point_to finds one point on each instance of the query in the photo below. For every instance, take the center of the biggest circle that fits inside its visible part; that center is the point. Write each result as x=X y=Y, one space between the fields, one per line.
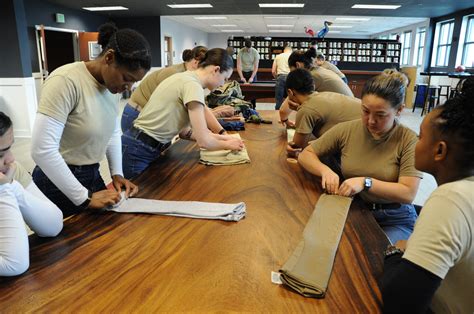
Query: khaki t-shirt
x=248 y=58
x=324 y=110
x=385 y=159
x=72 y=96
x=21 y=175
x=442 y=243
x=281 y=62
x=328 y=81
x=329 y=66
x=166 y=113
x=142 y=93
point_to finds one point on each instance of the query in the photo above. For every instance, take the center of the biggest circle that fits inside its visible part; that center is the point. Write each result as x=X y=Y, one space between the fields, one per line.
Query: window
x=468 y=47
x=406 y=46
x=419 y=46
x=443 y=38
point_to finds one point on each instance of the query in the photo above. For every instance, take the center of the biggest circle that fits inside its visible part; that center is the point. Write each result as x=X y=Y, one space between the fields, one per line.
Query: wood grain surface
x=109 y=262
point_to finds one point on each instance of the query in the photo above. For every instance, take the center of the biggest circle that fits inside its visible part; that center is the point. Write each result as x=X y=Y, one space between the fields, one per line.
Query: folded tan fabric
x=308 y=270
x=224 y=157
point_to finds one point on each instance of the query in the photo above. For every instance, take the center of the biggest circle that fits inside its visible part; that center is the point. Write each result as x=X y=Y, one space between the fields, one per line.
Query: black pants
x=247 y=76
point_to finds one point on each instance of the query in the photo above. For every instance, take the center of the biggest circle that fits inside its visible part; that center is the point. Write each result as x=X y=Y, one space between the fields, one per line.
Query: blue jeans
x=280 y=90
x=397 y=223
x=128 y=116
x=136 y=155
x=87 y=175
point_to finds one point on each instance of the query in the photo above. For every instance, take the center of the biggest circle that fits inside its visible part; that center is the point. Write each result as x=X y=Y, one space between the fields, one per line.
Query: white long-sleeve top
x=45 y=152
x=18 y=206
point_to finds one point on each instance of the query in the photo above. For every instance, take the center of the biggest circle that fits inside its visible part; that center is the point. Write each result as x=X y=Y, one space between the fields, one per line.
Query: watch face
x=367 y=183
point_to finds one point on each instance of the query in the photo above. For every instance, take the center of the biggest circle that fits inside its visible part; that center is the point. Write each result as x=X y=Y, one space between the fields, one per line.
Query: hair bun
x=105 y=33
x=396 y=75
x=467 y=89
x=311 y=53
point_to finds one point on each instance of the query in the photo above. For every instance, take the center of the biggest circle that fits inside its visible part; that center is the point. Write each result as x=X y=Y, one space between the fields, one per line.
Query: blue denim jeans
x=136 y=155
x=397 y=223
x=128 y=116
x=87 y=175
x=280 y=90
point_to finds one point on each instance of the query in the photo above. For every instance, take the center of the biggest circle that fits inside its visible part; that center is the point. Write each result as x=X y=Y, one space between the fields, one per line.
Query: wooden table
x=258 y=90
x=108 y=262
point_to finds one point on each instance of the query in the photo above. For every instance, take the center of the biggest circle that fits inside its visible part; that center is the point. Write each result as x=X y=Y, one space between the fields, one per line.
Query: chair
x=421 y=94
x=441 y=94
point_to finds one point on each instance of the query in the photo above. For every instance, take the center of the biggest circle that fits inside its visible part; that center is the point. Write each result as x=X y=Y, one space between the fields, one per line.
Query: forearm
x=45 y=152
x=114 y=152
x=211 y=121
x=255 y=70
x=285 y=110
x=393 y=191
x=300 y=140
x=239 y=68
x=310 y=162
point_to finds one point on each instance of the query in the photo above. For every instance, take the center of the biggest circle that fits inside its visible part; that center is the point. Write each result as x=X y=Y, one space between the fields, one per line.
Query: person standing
x=248 y=59
x=280 y=70
x=78 y=123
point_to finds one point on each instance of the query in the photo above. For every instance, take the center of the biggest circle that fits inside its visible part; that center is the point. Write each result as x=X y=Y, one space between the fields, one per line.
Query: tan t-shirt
x=141 y=95
x=248 y=58
x=72 y=96
x=324 y=110
x=166 y=113
x=281 y=62
x=21 y=175
x=329 y=66
x=385 y=159
x=442 y=243
x=328 y=81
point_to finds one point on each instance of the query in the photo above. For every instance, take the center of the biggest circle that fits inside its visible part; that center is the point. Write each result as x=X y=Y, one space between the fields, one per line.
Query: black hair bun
x=105 y=33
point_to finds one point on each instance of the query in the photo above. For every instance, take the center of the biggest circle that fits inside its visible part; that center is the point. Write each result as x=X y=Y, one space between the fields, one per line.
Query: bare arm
x=255 y=70
x=211 y=121
x=300 y=140
x=403 y=191
x=311 y=163
x=274 y=69
x=239 y=69
x=285 y=110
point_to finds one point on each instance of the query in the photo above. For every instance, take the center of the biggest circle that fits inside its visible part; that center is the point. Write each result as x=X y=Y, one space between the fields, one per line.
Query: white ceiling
x=253 y=24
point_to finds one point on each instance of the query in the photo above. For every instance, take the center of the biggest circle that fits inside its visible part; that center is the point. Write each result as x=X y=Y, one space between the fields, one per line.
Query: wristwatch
x=86 y=203
x=392 y=250
x=367 y=183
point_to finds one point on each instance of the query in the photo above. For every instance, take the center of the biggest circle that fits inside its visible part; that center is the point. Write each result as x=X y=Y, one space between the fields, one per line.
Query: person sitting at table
x=321 y=61
x=377 y=156
x=435 y=268
x=280 y=70
x=317 y=112
x=324 y=80
x=78 y=123
x=141 y=95
x=175 y=104
x=20 y=202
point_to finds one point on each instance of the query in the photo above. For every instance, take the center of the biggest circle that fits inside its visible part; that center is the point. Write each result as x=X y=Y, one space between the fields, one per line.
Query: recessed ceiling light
x=224 y=25
x=281 y=5
x=109 y=8
x=190 y=6
x=334 y=31
x=210 y=17
x=280 y=25
x=279 y=31
x=376 y=6
x=341 y=26
x=353 y=19
x=232 y=30
x=280 y=17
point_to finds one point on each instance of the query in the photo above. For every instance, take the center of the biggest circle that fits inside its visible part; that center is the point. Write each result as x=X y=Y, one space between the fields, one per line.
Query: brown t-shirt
x=142 y=93
x=328 y=81
x=324 y=110
x=329 y=66
x=385 y=159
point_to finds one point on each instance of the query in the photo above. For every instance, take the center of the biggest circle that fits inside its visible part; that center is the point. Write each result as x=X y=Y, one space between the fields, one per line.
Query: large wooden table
x=108 y=262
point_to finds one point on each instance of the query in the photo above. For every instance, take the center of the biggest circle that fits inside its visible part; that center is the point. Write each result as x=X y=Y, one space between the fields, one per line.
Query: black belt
x=375 y=206
x=147 y=139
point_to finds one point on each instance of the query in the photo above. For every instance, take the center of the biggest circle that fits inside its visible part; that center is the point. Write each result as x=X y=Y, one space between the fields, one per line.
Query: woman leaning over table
x=77 y=124
x=141 y=95
x=435 y=268
x=377 y=157
x=177 y=103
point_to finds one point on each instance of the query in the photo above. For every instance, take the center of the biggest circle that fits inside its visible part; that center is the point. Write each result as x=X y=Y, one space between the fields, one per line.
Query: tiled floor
x=21 y=150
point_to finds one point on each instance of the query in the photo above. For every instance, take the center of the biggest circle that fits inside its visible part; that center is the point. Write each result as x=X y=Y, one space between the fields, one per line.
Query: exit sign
x=60 y=18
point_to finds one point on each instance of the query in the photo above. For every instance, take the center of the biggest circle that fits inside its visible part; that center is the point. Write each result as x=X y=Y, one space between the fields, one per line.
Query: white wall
x=18 y=101
x=184 y=37
x=413 y=28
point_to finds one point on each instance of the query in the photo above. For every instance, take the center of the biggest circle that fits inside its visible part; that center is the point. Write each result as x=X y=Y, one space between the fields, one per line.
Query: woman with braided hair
x=435 y=267
x=77 y=123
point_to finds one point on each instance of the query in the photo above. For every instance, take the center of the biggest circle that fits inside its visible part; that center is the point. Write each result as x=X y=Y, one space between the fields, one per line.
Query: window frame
x=420 y=40
x=406 y=47
x=439 y=46
x=469 y=32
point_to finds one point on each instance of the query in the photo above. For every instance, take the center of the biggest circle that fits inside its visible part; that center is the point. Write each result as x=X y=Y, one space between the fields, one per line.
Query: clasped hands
x=350 y=187
x=104 y=198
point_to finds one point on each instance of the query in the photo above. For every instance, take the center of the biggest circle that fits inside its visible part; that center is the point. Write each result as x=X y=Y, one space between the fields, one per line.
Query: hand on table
x=293 y=151
x=119 y=182
x=330 y=181
x=234 y=144
x=243 y=81
x=7 y=177
x=351 y=187
x=289 y=124
x=104 y=198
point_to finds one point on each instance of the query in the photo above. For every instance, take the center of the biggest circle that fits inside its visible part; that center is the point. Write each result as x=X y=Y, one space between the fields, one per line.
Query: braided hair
x=305 y=57
x=5 y=123
x=455 y=123
x=131 y=49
